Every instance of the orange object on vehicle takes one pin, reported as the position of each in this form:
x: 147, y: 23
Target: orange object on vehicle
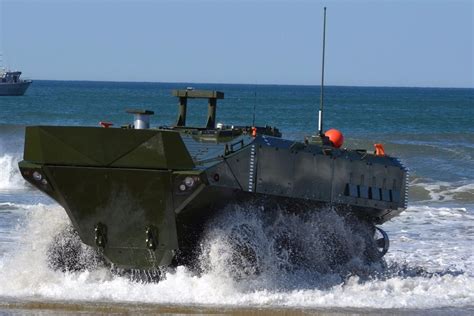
x: 335, y: 136
x: 254, y: 132
x: 379, y: 150
x: 105, y: 124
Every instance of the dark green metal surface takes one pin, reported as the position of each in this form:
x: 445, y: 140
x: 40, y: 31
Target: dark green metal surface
x: 90, y: 146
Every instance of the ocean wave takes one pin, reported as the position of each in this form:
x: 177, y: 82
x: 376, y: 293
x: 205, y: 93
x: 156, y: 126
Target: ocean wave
x: 434, y: 237
x: 405, y: 283
x: 8, y: 206
x: 423, y: 190
x: 24, y: 207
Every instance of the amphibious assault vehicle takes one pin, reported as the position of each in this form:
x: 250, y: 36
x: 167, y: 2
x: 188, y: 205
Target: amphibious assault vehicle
x: 143, y: 197
x: 140, y: 194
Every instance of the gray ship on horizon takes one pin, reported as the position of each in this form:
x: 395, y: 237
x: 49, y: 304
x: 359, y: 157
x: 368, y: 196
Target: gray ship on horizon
x: 11, y: 84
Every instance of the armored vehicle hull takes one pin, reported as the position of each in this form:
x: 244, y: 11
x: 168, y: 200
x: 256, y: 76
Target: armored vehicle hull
x: 140, y: 195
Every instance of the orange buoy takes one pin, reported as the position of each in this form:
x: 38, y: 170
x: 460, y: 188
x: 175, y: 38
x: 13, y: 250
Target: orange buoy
x: 379, y: 150
x: 335, y: 136
x: 254, y: 132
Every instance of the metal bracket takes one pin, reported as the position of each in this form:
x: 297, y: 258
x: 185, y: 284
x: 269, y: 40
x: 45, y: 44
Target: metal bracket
x: 100, y: 232
x: 151, y: 240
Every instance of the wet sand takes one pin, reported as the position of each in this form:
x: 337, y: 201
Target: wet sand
x: 36, y: 307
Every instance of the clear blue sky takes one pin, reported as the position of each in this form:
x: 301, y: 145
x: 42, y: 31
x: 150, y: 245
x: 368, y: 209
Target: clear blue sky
x: 369, y: 43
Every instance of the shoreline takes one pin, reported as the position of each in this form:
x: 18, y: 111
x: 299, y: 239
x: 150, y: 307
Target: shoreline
x: 11, y: 306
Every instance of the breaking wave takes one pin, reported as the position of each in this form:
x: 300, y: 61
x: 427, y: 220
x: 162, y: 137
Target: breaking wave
x: 441, y: 191
x: 280, y: 282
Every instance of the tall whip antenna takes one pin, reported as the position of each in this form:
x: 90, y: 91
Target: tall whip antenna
x: 321, y: 104
x: 254, y: 106
x: 1, y: 39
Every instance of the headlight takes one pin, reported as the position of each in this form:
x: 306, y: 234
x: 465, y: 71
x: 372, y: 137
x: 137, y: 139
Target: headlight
x: 186, y: 184
x: 189, y: 182
x: 37, y: 176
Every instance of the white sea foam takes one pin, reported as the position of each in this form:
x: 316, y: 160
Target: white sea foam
x: 10, y: 177
x: 436, y: 238
x: 427, y: 244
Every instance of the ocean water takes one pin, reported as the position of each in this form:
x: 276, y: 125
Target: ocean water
x: 430, y: 264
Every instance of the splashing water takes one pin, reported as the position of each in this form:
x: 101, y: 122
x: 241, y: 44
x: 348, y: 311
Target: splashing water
x: 10, y: 177
x: 279, y: 281
x: 275, y: 249
x: 66, y: 253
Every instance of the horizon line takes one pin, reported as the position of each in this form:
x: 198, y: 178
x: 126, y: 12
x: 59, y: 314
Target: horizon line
x: 257, y: 84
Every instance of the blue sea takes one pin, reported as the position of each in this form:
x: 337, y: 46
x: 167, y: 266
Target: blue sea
x: 431, y: 258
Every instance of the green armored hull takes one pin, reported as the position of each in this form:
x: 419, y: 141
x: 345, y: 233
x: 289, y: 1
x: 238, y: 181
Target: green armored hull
x: 140, y: 195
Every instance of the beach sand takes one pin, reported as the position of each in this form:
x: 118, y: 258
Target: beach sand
x: 36, y: 307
